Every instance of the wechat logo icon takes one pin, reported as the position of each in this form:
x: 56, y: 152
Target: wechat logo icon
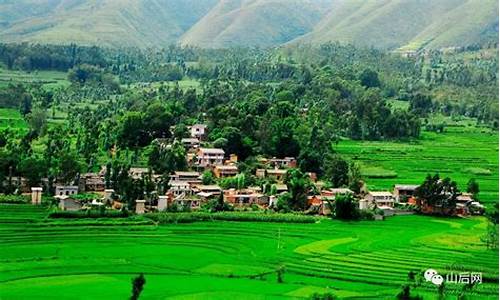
x: 433, y: 276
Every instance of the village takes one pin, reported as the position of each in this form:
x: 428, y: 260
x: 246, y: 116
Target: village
x: 187, y: 191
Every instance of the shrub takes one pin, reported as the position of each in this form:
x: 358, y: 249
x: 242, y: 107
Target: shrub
x: 365, y: 214
x: 165, y: 218
x: 89, y: 214
x: 345, y: 207
x: 14, y: 199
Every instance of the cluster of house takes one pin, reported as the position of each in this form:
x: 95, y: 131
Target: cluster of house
x: 186, y: 188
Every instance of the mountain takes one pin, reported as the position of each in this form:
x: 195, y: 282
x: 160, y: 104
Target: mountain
x: 256, y: 22
x: 100, y: 22
x: 389, y: 24
x: 407, y: 23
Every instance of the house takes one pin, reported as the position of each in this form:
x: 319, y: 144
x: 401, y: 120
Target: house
x: 464, y: 198
x: 321, y: 204
x: 276, y: 174
x: 20, y: 183
x: 225, y: 171
x: 137, y: 173
x: 183, y: 201
x: 207, y: 157
x: 69, y: 204
x: 212, y: 189
x: 337, y: 191
x: 191, y: 177
x: 180, y: 187
x: 91, y: 182
x: 198, y: 131
x: 403, y: 192
x: 281, y: 188
x: 190, y: 143
x: 245, y: 197
x: 381, y: 199
x: 66, y: 190
x: 282, y: 163
x: 465, y: 205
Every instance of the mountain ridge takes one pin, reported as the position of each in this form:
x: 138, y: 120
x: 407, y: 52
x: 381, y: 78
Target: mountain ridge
x: 388, y: 24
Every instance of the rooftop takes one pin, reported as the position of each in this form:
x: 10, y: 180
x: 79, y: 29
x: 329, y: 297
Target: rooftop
x: 406, y: 187
x: 381, y: 194
x: 190, y: 140
x: 208, y: 187
x: 184, y: 173
x: 212, y: 150
x: 227, y: 168
x: 178, y: 183
x: 341, y: 191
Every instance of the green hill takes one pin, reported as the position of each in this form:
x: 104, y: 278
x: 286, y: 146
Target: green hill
x: 411, y: 24
x: 392, y: 24
x: 103, y: 22
x: 256, y: 22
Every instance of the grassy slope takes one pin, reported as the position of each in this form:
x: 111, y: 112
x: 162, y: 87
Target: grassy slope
x: 472, y: 22
x: 111, y: 22
x: 255, y: 23
x: 460, y: 153
x: 226, y: 260
x: 222, y: 23
x: 413, y: 24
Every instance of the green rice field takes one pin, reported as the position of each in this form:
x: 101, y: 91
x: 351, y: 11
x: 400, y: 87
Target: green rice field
x: 49, y: 79
x: 461, y: 153
x: 45, y: 259
x: 11, y: 118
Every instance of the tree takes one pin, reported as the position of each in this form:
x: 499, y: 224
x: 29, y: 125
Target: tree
x: 369, y: 78
x: 345, y: 207
x: 280, y: 272
x: 473, y: 187
x: 37, y: 121
x: 68, y: 167
x: 132, y: 132
x: 157, y: 120
x: 299, y: 184
x: 337, y: 170
x: 33, y: 169
x: 137, y: 286
x: 165, y: 160
x: 438, y: 193
x: 207, y: 177
x: 355, y: 178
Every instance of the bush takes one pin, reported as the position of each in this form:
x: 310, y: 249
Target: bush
x: 365, y: 214
x: 89, y: 214
x: 165, y: 218
x: 345, y: 207
x: 14, y: 199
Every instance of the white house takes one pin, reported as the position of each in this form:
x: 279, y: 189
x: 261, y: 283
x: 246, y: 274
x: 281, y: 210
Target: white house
x: 207, y: 157
x: 381, y: 199
x: 198, y: 131
x: 68, y: 190
x: 180, y: 187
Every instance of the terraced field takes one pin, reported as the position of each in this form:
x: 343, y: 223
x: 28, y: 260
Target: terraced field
x: 230, y: 260
x: 461, y: 153
x: 49, y: 79
x: 11, y: 118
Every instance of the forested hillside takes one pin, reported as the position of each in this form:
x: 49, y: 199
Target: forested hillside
x: 296, y: 102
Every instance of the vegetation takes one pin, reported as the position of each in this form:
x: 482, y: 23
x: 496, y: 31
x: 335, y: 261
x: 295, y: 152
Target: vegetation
x: 239, y: 258
x: 166, y: 218
x: 272, y: 108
